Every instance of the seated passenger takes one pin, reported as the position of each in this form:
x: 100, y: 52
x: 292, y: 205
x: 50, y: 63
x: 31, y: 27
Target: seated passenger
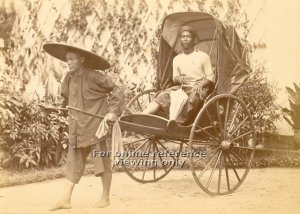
x: 192, y: 70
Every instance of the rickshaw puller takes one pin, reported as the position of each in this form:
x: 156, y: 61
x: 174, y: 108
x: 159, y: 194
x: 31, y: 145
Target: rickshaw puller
x: 86, y: 89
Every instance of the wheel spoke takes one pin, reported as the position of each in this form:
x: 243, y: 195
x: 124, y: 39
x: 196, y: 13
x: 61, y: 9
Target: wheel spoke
x: 219, y: 118
x: 220, y: 174
x: 136, y: 141
x: 237, y: 128
x: 208, y: 164
x: 226, y: 117
x: 240, y: 136
x: 130, y: 110
x: 212, y: 173
x: 215, y: 149
x: 234, y: 117
x: 235, y: 172
x: 211, y: 121
x: 226, y: 172
x: 137, y: 149
x: 186, y: 143
x: 207, y: 133
x: 144, y: 170
x: 238, y: 157
x: 139, y: 105
x: 205, y: 143
x: 174, y: 142
x: 162, y: 145
x: 165, y: 148
x: 154, y: 159
x: 135, y: 108
x: 132, y: 171
x: 160, y: 158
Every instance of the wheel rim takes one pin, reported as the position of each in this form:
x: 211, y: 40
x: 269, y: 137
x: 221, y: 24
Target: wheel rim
x: 229, y: 140
x: 138, y: 103
x: 148, y: 158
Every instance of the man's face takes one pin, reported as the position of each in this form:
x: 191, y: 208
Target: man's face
x: 74, y: 61
x: 187, y: 40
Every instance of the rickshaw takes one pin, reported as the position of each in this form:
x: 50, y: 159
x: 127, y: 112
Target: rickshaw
x: 219, y: 145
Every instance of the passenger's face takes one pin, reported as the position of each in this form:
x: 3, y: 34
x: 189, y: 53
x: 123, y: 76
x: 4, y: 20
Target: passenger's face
x: 74, y: 61
x: 187, y: 40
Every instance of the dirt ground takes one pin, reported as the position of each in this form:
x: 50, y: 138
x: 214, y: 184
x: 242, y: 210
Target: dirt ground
x: 269, y: 190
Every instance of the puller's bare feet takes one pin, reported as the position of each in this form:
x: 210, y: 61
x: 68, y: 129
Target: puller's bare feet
x: 61, y: 205
x: 103, y: 202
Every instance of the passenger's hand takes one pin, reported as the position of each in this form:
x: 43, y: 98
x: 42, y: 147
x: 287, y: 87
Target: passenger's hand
x: 182, y: 79
x: 202, y: 91
x: 110, y: 118
x: 197, y: 88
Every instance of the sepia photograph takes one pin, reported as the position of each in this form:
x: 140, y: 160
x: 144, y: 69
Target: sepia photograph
x: 149, y: 106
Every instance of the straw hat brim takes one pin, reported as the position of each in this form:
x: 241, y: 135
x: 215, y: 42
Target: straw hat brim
x: 92, y: 60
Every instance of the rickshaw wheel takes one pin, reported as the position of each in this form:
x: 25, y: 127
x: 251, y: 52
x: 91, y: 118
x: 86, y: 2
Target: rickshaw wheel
x: 149, y: 158
x: 151, y: 168
x: 225, y: 125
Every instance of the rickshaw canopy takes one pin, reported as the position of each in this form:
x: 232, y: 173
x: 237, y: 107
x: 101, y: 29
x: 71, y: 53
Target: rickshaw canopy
x: 221, y: 42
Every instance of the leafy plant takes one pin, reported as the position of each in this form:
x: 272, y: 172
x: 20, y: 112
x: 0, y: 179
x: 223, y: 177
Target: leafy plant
x: 29, y: 134
x: 292, y: 116
x: 260, y: 97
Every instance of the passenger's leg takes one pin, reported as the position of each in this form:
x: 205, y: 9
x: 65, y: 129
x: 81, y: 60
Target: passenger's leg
x: 196, y: 101
x: 152, y: 108
x: 161, y: 102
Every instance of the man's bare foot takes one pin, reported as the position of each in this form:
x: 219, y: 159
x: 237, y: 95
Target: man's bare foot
x: 61, y: 205
x: 103, y: 202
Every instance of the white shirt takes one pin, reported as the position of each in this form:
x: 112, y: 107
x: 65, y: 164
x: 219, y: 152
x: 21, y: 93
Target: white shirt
x: 194, y: 67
